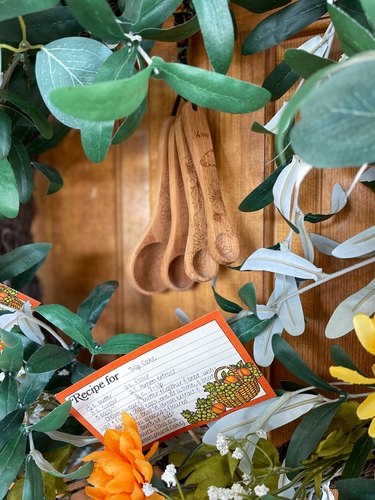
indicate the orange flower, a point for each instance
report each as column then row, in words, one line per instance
column 121, row 468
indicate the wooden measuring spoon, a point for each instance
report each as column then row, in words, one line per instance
column 172, row 267
column 145, row 262
column 222, row 242
column 199, row 265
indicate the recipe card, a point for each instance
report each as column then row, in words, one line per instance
column 193, row 375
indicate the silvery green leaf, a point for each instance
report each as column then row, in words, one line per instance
column 339, row 198
column 284, row 481
column 368, row 175
column 307, row 246
column 341, row 321
column 290, row 312
column 285, row 183
column 272, row 124
column 44, row 465
column 8, row 321
column 361, row 244
column 71, row 61
column 262, row 349
column 323, row 244
column 182, row 316
column 78, row 441
column 28, row 326
column 289, row 263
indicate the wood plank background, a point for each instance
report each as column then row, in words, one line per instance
column 95, row 221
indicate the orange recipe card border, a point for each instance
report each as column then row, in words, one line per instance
column 183, row 330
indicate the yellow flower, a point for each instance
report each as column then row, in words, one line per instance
column 121, row 468
column 365, row 330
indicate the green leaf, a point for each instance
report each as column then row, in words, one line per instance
column 30, row 111
column 40, row 145
column 248, row 296
column 14, row 8
column 259, row 129
column 32, row 385
column 21, row 259
column 80, row 371
column 353, row 37
column 308, row 434
column 153, row 14
column 68, row 322
column 130, row 124
column 11, row 356
column 97, row 17
column 305, row 64
column 175, row 34
column 9, row 198
column 11, row 458
column 33, row 488
column 210, row 89
column 280, row 80
column 225, row 304
column 369, row 8
column 262, row 195
column 55, row 69
column 118, row 65
column 358, row 457
column 44, row 465
column 249, row 327
column 282, row 24
column 335, row 130
column 9, row 425
column 92, row 307
column 217, row 29
column 315, row 218
column 124, row 343
column 290, row 359
column 355, row 489
column 21, row 165
column 49, row 357
column 96, row 137
column 5, row 134
column 53, row 420
column 8, row 396
column 104, row 100
column 260, row 6
column 55, row 181
column 341, row 358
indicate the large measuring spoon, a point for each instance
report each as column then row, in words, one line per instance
column 145, row 262
column 172, row 268
column 199, row 265
column 222, row 242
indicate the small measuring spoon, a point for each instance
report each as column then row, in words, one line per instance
column 145, row 262
column 199, row 265
column 172, row 268
column 222, row 242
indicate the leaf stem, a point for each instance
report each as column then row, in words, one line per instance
column 23, row 28
column 356, row 179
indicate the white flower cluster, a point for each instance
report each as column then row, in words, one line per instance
column 148, row 489
column 169, row 475
column 236, row 492
column 222, row 444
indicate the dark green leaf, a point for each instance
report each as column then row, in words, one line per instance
column 369, row 8
column 356, row 489
column 21, row 165
column 249, row 327
column 80, row 371
column 92, row 307
column 175, row 34
column 358, row 457
column 353, row 37
column 217, row 29
column 153, row 14
column 9, row 197
column 32, row 385
column 282, row 24
column 48, row 358
column 40, row 145
column 260, row 129
column 280, row 80
column 225, row 304
column 355, row 10
column 290, row 359
column 260, row 6
column 11, row 458
column 341, row 358
column 96, row 137
column 26, row 277
column 54, row 419
column 8, row 396
column 210, row 89
column 9, row 425
column 28, row 109
column 262, row 195
column 33, row 488
column 12, row 355
column 97, row 17
column 104, row 100
column 55, row 181
column 21, row 259
column 124, row 343
column 69, row 323
column 119, row 65
column 370, row 185
column 131, row 10
column 14, row 8
column 308, row 434
column 130, row 124
column 305, row 64
column 5, row 134
column 248, row 296
column 315, row 218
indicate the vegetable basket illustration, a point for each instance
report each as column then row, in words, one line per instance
column 237, row 387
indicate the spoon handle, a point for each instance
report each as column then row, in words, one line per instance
column 199, row 265
column 222, row 242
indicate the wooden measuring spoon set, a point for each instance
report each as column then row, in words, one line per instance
column 189, row 233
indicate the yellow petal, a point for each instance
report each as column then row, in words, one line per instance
column 128, row 421
column 371, row 429
column 153, row 449
column 367, row 409
column 365, row 330
column 348, row 375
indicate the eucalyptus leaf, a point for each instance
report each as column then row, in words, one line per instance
column 369, row 8
column 21, row 165
column 78, row 441
column 40, row 144
column 174, row 34
column 368, row 178
column 304, row 236
column 130, row 124
column 5, row 134
column 212, row 90
column 9, row 425
column 12, row 355
column 353, row 489
column 280, row 80
column 54, row 419
column 11, row 458
column 32, row 385
column 55, row 181
column 290, row 312
column 8, row 396
column 9, row 197
column 323, row 244
column 262, row 350
column 305, row 64
column 15, row 8
column 47, row 358
column 225, row 304
column 33, row 488
column 92, row 307
column 341, row 321
column 248, row 296
column 357, row 246
column 261, row 6
column 96, row 137
column 124, row 343
column 44, row 465
column 153, row 14
column 249, row 327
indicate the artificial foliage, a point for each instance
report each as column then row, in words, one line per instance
column 87, row 64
